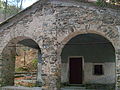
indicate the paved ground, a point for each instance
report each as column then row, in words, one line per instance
column 38, row 88
column 20, row 88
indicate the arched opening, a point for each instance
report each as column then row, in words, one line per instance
column 89, row 60
column 21, row 63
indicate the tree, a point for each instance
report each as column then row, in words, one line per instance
column 6, row 5
column 21, row 3
column 11, row 7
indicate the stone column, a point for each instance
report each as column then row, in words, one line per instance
column 8, row 66
column 117, row 67
column 1, row 70
column 51, row 73
column 51, row 66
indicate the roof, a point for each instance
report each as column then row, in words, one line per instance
column 39, row 4
column 22, row 13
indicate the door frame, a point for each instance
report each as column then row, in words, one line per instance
column 82, row 68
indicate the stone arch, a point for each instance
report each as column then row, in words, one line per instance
column 69, row 36
column 73, row 34
column 8, row 59
column 16, row 38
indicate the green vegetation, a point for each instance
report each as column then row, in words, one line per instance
column 30, row 67
column 28, row 84
column 115, row 4
column 101, row 3
column 34, row 63
column 9, row 8
column 21, row 69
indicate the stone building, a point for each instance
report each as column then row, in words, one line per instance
column 78, row 43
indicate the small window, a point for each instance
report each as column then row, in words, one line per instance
column 98, row 70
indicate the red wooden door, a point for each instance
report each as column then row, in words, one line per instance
column 76, row 69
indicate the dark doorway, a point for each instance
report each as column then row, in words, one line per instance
column 76, row 70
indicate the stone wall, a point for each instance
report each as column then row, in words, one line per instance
column 88, row 77
column 51, row 25
column 107, row 78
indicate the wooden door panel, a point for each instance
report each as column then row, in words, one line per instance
column 75, row 76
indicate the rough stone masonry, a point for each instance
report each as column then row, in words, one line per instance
column 51, row 24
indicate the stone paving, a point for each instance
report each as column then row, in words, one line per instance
column 39, row 88
column 20, row 88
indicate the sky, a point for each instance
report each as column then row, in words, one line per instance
column 27, row 3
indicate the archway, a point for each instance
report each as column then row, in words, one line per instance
column 16, row 64
column 88, row 59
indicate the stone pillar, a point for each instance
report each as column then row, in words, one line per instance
column 8, row 66
column 51, row 73
column 1, row 70
column 50, row 66
column 39, row 78
column 117, row 68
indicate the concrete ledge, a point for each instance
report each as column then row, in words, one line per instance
column 20, row 88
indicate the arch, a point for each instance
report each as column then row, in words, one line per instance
column 73, row 35
column 8, row 59
column 15, row 40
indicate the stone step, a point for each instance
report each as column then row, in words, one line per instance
column 20, row 88
column 75, row 89
column 38, row 88
column 78, row 88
